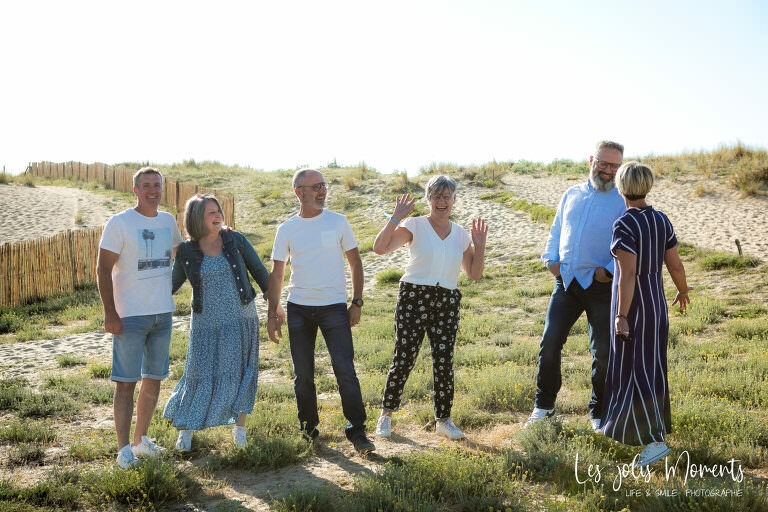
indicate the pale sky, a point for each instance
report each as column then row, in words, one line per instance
column 396, row 84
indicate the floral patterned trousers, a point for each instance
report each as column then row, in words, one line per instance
column 420, row 309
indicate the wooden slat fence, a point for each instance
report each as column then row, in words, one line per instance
column 44, row 266
column 36, row 268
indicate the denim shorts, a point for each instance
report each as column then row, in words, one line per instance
column 140, row 351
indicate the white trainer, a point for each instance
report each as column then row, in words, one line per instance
column 539, row 414
column 147, row 448
column 446, row 428
column 652, row 452
column 238, row 436
column 126, row 458
column 595, row 424
column 184, row 441
column 384, row 426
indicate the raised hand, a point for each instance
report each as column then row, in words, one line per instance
column 479, row 232
column 403, row 206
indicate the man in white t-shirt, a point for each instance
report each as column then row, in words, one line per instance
column 134, row 277
column 316, row 241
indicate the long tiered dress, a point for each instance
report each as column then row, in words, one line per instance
column 221, row 370
column 636, row 388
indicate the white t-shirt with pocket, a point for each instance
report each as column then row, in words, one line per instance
column 141, row 278
column 433, row 261
column 315, row 247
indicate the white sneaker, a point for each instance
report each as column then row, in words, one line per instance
column 595, row 424
column 238, row 436
column 184, row 441
column 539, row 414
column 384, row 426
column 126, row 458
column 652, row 452
column 147, row 448
column 445, row 427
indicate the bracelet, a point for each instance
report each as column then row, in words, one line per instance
column 393, row 219
column 272, row 316
column 622, row 316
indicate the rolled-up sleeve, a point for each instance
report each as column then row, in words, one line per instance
column 552, row 249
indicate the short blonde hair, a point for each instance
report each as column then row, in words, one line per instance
column 634, row 180
column 194, row 214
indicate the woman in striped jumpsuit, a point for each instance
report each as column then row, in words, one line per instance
column 636, row 386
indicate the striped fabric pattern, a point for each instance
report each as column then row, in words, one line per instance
column 636, row 388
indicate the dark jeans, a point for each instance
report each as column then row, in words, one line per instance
column 333, row 321
column 565, row 307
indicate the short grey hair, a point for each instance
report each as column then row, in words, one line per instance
column 194, row 214
column 634, row 180
column 298, row 176
column 609, row 144
column 141, row 172
column 439, row 183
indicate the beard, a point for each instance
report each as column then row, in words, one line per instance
column 599, row 183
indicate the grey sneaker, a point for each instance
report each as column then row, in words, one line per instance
column 539, row 414
column 126, row 458
column 147, row 448
column 595, row 424
column 652, row 452
column 384, row 426
column 446, row 428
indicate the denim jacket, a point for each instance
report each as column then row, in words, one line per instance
column 241, row 257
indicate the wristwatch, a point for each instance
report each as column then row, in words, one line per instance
column 358, row 302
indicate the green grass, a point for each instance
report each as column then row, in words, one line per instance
column 16, row 397
column 80, row 387
column 29, row 431
column 100, row 370
column 537, row 212
column 32, row 321
column 389, row 276
column 69, row 360
column 25, row 454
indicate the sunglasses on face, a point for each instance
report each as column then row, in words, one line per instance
column 317, row 187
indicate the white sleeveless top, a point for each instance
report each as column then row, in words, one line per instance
column 433, row 261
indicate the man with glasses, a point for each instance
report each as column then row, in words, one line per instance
column 578, row 255
column 316, row 240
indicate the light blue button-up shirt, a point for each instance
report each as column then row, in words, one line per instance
column 580, row 236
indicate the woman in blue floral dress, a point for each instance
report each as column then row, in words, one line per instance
column 221, row 371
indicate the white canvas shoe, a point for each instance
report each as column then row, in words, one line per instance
column 539, row 414
column 595, row 424
column 384, row 426
column 184, row 441
column 652, row 452
column 147, row 448
column 126, row 458
column 446, row 428
column 238, row 436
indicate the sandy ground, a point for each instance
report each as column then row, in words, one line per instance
column 711, row 220
column 36, row 212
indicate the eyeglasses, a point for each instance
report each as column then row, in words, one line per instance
column 601, row 165
column 317, row 187
column 444, row 198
